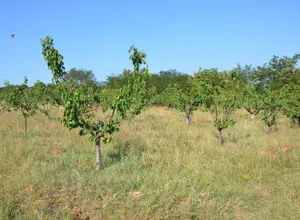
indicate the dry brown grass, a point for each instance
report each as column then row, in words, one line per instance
column 156, row 167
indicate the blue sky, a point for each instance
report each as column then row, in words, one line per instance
column 182, row 35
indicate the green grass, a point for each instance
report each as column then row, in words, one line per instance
column 156, row 167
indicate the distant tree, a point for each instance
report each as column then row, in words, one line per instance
column 165, row 78
column 278, row 72
column 291, row 102
column 168, row 97
column 156, row 84
column 22, row 98
column 46, row 96
column 82, row 76
column 115, row 81
column 246, row 74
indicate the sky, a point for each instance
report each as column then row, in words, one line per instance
column 180, row 34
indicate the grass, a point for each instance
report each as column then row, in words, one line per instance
column 156, row 167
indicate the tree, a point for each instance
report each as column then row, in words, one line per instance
column 218, row 94
column 46, row 97
column 251, row 100
column 278, row 72
column 114, row 81
column 168, row 97
column 22, row 98
column 291, row 102
column 271, row 106
column 79, row 110
column 246, row 74
column 186, row 100
column 82, row 76
column 141, row 95
column 163, row 79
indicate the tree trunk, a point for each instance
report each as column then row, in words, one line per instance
column 98, row 154
column 48, row 115
column 139, row 116
column 187, row 120
column 221, row 140
column 25, row 126
column 252, row 116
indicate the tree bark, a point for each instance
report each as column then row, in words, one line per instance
column 221, row 140
column 187, row 120
column 98, row 154
column 252, row 116
column 139, row 116
column 48, row 115
column 25, row 126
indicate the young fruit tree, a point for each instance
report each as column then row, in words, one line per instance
column 79, row 108
column 218, row 94
column 272, row 103
column 251, row 100
column 140, row 98
column 22, row 98
column 186, row 100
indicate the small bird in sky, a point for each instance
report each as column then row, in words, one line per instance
column 12, row 36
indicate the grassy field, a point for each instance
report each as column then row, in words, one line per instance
column 156, row 167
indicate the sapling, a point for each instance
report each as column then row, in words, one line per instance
column 272, row 103
column 22, row 98
column 251, row 100
column 218, row 94
column 79, row 108
column 185, row 100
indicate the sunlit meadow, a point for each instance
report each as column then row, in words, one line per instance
column 156, row 167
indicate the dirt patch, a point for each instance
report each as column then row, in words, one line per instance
column 182, row 202
column 276, row 150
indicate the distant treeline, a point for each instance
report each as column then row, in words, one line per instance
column 277, row 72
column 160, row 81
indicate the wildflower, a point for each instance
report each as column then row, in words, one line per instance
column 246, row 176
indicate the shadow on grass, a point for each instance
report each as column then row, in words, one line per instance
column 122, row 150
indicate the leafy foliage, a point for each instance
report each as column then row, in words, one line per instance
column 82, row 76
column 46, row 97
column 23, row 99
column 184, row 100
column 272, row 104
column 251, row 99
column 79, row 109
column 278, row 72
column 218, row 92
column 291, row 102
column 168, row 97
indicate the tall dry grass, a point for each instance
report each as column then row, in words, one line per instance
column 156, row 167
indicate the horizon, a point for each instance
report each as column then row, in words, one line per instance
column 175, row 35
